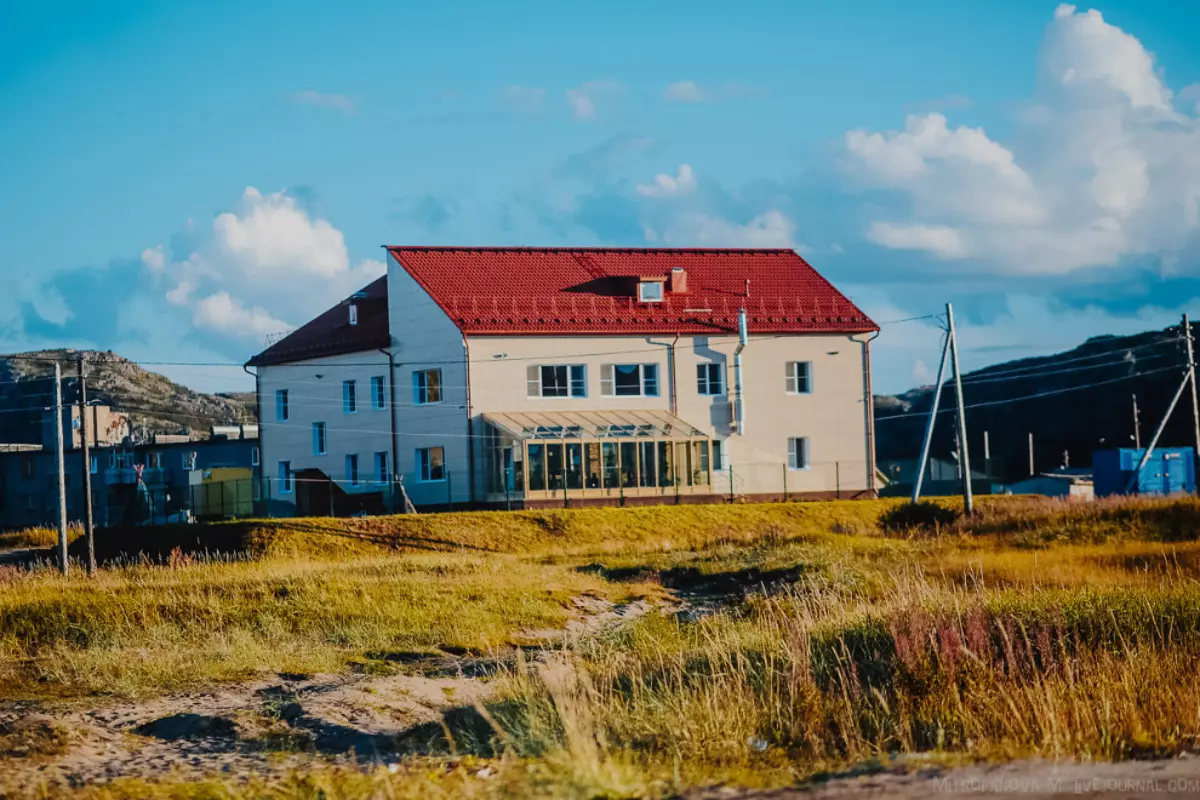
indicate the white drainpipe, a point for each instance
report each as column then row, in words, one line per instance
column 739, row 407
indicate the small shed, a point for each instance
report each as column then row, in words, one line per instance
column 1056, row 484
column 1169, row 470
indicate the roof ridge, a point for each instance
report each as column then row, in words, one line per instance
column 542, row 249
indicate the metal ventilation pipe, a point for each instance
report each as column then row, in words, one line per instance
column 739, row 407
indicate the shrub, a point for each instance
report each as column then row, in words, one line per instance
column 923, row 516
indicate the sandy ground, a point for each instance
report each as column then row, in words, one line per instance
column 1028, row 779
column 279, row 722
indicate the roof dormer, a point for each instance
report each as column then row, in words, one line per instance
column 651, row 290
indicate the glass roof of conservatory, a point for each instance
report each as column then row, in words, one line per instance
column 593, row 425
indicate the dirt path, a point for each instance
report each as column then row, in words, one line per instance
column 1028, row 779
column 278, row 723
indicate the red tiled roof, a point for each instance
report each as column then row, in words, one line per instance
column 594, row 290
column 331, row 333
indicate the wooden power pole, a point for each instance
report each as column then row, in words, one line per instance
column 85, row 453
column 1191, row 368
column 1137, row 426
column 62, row 472
column 964, row 456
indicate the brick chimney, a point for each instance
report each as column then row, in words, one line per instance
column 678, row 280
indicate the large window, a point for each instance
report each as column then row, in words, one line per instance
column 350, row 396
column 799, row 377
column 285, row 477
column 556, row 380
column 431, row 464
column 352, row 469
column 381, row 467
column 318, row 436
column 708, row 379
column 798, row 452
column 281, row 405
column 427, row 386
column 378, row 393
column 629, row 380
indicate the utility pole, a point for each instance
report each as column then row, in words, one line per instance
column 933, row 412
column 964, row 456
column 62, row 472
column 1137, row 426
column 1031, row 453
column 1191, row 371
column 987, row 455
column 86, row 455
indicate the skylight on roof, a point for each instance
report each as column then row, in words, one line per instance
column 650, row 291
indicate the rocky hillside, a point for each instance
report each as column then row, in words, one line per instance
column 1084, row 403
column 155, row 403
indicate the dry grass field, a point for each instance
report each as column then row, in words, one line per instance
column 649, row 652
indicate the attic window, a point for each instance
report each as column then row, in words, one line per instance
column 650, row 291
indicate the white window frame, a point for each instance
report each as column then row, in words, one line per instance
column 608, row 380
column 657, row 293
column 379, row 392
column 798, row 453
column 420, row 383
column 425, row 464
column 792, row 382
column 352, row 469
column 283, row 411
column 576, row 383
column 382, row 468
column 287, row 484
column 350, row 396
column 704, row 379
column 320, row 441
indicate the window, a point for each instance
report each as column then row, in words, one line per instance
column 319, row 443
column 352, row 469
column 650, row 291
column 427, row 386
column 94, row 464
column 708, row 379
column 556, row 380
column 381, row 467
column 350, row 396
column 378, row 393
column 431, row 464
column 153, row 460
column 718, row 462
column 254, row 457
column 798, row 452
column 799, row 377
column 189, row 461
column 281, row 405
column 353, row 314
column 285, row 477
column 629, row 380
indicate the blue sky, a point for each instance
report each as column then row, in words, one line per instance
column 180, row 179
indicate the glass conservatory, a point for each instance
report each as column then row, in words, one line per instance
column 594, row 454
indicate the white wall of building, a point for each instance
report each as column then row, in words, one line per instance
column 833, row 417
column 315, row 394
column 424, row 338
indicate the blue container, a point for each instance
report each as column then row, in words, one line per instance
column 1169, row 470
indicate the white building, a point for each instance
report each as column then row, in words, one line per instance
column 524, row 377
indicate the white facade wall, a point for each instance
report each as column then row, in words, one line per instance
column 424, row 338
column 833, row 417
column 315, row 394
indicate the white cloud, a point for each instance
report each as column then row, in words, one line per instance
column 263, row 263
column 1102, row 168
column 529, row 100
column 685, row 92
column 770, row 229
column 223, row 313
column 582, row 99
column 940, row 240
column 154, row 257
column 666, row 185
column 336, row 102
